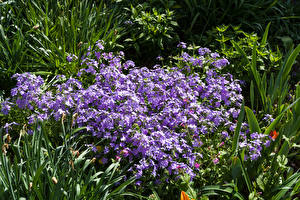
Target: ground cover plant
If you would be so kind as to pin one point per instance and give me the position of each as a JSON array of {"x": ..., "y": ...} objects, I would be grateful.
[
  {"x": 137, "y": 109},
  {"x": 168, "y": 122},
  {"x": 79, "y": 120}
]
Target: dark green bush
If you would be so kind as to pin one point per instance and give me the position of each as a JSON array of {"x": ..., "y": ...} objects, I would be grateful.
[{"x": 148, "y": 32}]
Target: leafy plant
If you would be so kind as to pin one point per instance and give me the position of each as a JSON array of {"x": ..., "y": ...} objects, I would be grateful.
[
  {"x": 268, "y": 173},
  {"x": 148, "y": 30},
  {"x": 276, "y": 89},
  {"x": 237, "y": 46},
  {"x": 37, "y": 36},
  {"x": 197, "y": 17},
  {"x": 188, "y": 114},
  {"x": 269, "y": 177},
  {"x": 33, "y": 168}
]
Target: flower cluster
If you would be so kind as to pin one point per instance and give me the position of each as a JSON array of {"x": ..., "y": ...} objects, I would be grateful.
[
  {"x": 153, "y": 117},
  {"x": 254, "y": 144},
  {"x": 71, "y": 58}
]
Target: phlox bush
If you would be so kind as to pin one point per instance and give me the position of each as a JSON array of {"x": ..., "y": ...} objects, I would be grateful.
[{"x": 157, "y": 119}]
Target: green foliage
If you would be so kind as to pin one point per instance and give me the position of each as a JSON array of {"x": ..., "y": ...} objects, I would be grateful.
[
  {"x": 270, "y": 177},
  {"x": 33, "y": 167},
  {"x": 274, "y": 91},
  {"x": 37, "y": 36},
  {"x": 148, "y": 30},
  {"x": 196, "y": 17},
  {"x": 237, "y": 46},
  {"x": 275, "y": 178},
  {"x": 270, "y": 174}
]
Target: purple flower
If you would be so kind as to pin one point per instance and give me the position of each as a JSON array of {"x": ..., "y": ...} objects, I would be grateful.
[
  {"x": 182, "y": 45},
  {"x": 268, "y": 118},
  {"x": 138, "y": 183},
  {"x": 99, "y": 44},
  {"x": 220, "y": 63},
  {"x": 214, "y": 55},
  {"x": 203, "y": 51},
  {"x": 224, "y": 134},
  {"x": 255, "y": 156},
  {"x": 93, "y": 147},
  {"x": 149, "y": 115},
  {"x": 128, "y": 64},
  {"x": 267, "y": 143},
  {"x": 125, "y": 152},
  {"x": 128, "y": 22},
  {"x": 6, "y": 107},
  {"x": 216, "y": 161},
  {"x": 159, "y": 58},
  {"x": 8, "y": 126},
  {"x": 69, "y": 58}
]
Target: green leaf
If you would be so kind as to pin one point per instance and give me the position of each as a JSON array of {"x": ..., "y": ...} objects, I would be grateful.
[
  {"x": 278, "y": 118},
  {"x": 78, "y": 129},
  {"x": 286, "y": 186},
  {"x": 245, "y": 175},
  {"x": 194, "y": 21},
  {"x": 252, "y": 94},
  {"x": 36, "y": 178},
  {"x": 42, "y": 73},
  {"x": 245, "y": 59},
  {"x": 264, "y": 39},
  {"x": 290, "y": 62},
  {"x": 252, "y": 121},
  {"x": 227, "y": 189},
  {"x": 122, "y": 186},
  {"x": 217, "y": 188},
  {"x": 155, "y": 195},
  {"x": 260, "y": 182}
]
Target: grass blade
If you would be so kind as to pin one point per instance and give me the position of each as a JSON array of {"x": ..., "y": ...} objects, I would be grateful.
[{"x": 264, "y": 39}]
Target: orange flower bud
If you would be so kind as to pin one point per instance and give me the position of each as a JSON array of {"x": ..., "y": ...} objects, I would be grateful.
[
  {"x": 274, "y": 134},
  {"x": 184, "y": 196}
]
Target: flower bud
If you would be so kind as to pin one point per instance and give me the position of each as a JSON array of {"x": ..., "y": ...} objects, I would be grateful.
[
  {"x": 30, "y": 186},
  {"x": 8, "y": 139},
  {"x": 4, "y": 147},
  {"x": 93, "y": 160},
  {"x": 74, "y": 117},
  {"x": 72, "y": 164},
  {"x": 36, "y": 27},
  {"x": 74, "y": 152},
  {"x": 79, "y": 45},
  {"x": 118, "y": 158},
  {"x": 54, "y": 180},
  {"x": 221, "y": 144},
  {"x": 63, "y": 118}
]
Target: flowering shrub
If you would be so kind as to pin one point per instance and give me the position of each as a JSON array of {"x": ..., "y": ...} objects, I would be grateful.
[{"x": 160, "y": 119}]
